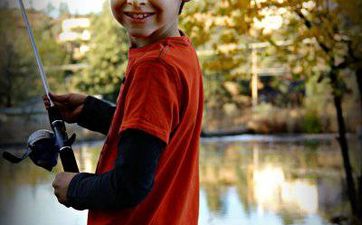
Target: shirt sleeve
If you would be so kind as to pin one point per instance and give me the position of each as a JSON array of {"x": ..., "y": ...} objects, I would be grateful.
[
  {"x": 151, "y": 102},
  {"x": 96, "y": 115},
  {"x": 128, "y": 183}
]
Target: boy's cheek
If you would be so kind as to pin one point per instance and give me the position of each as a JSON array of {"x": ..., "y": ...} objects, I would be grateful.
[{"x": 116, "y": 6}]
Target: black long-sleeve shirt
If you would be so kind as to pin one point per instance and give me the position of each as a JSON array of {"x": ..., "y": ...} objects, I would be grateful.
[
  {"x": 131, "y": 179},
  {"x": 96, "y": 115}
]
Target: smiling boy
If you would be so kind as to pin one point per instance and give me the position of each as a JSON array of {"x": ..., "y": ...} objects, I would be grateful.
[{"x": 147, "y": 171}]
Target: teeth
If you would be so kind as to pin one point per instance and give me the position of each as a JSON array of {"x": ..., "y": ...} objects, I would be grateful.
[{"x": 139, "y": 16}]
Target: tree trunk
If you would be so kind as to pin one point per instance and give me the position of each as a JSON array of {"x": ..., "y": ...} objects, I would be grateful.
[
  {"x": 359, "y": 184},
  {"x": 359, "y": 83},
  {"x": 8, "y": 101},
  {"x": 342, "y": 140},
  {"x": 359, "y": 203}
]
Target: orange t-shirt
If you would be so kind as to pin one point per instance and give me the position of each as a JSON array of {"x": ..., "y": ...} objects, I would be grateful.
[{"x": 163, "y": 96}]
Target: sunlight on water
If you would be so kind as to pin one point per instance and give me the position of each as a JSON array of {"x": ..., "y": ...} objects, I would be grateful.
[{"x": 253, "y": 183}]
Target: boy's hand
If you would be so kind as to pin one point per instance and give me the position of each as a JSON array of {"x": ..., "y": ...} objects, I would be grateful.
[
  {"x": 60, "y": 185},
  {"x": 69, "y": 105}
]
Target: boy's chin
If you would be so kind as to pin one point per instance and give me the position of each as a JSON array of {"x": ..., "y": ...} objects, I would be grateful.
[{"x": 142, "y": 34}]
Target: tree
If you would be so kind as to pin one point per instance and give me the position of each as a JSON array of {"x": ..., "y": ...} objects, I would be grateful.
[
  {"x": 107, "y": 57},
  {"x": 50, "y": 8},
  {"x": 334, "y": 35},
  {"x": 352, "y": 27},
  {"x": 64, "y": 9},
  {"x": 224, "y": 28},
  {"x": 319, "y": 38},
  {"x": 19, "y": 75}
]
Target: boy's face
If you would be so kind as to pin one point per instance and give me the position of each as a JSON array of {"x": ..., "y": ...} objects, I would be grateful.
[{"x": 142, "y": 18}]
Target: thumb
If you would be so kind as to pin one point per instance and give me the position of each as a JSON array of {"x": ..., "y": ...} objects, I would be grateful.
[{"x": 60, "y": 98}]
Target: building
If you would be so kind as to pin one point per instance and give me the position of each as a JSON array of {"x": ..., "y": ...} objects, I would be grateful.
[{"x": 76, "y": 35}]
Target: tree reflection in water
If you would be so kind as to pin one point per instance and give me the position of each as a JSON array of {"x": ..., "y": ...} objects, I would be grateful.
[
  {"x": 300, "y": 183},
  {"x": 241, "y": 183}
]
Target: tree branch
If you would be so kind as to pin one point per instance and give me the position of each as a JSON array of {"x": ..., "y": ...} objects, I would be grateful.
[{"x": 309, "y": 25}]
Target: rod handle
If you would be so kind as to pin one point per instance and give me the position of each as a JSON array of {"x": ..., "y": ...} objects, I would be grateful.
[{"x": 68, "y": 160}]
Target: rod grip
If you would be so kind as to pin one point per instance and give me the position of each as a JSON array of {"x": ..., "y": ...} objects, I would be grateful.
[
  {"x": 68, "y": 160},
  {"x": 61, "y": 140}
]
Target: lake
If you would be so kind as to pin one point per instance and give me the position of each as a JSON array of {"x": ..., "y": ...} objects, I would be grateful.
[{"x": 251, "y": 180}]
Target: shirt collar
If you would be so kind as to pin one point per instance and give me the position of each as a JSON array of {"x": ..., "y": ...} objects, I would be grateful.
[{"x": 183, "y": 40}]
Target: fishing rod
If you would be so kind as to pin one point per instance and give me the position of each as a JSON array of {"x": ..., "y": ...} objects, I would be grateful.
[{"x": 43, "y": 145}]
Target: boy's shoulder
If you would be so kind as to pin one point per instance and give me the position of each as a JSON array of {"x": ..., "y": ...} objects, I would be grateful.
[{"x": 174, "y": 53}]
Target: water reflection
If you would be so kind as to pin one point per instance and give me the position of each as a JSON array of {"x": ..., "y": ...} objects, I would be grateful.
[
  {"x": 274, "y": 183},
  {"x": 241, "y": 183}
]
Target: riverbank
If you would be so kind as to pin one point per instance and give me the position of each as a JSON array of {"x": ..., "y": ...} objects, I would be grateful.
[
  {"x": 16, "y": 126},
  {"x": 278, "y": 137}
]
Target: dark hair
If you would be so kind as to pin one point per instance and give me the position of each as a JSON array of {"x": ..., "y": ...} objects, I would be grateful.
[{"x": 182, "y": 5}]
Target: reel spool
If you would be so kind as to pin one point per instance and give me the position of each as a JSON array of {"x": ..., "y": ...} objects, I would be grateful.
[{"x": 41, "y": 148}]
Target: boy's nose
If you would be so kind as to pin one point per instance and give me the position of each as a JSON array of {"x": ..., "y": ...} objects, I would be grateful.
[{"x": 136, "y": 3}]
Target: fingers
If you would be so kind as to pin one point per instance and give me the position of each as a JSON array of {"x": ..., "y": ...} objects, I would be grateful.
[
  {"x": 56, "y": 186},
  {"x": 61, "y": 200},
  {"x": 46, "y": 102},
  {"x": 58, "y": 100},
  {"x": 60, "y": 185}
]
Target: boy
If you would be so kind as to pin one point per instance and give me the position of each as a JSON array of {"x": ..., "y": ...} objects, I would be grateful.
[{"x": 148, "y": 167}]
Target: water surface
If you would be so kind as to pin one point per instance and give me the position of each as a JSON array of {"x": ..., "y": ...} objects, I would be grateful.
[{"x": 251, "y": 181}]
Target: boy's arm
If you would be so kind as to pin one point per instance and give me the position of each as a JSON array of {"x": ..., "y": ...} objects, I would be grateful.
[
  {"x": 128, "y": 183},
  {"x": 96, "y": 115}
]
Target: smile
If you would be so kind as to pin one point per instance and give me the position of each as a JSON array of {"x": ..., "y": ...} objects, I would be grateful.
[{"x": 138, "y": 16}]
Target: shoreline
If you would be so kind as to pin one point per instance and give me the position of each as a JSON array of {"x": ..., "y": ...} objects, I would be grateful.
[{"x": 244, "y": 138}]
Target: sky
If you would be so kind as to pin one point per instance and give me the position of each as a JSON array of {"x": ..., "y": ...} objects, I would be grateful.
[{"x": 75, "y": 6}]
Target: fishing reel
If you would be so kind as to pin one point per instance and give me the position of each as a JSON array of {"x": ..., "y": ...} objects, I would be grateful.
[{"x": 41, "y": 148}]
